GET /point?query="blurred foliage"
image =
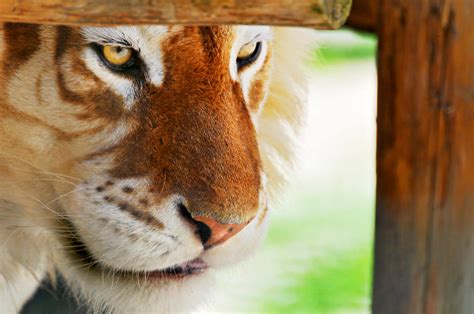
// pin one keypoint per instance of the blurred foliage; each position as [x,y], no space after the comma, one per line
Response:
[334,50]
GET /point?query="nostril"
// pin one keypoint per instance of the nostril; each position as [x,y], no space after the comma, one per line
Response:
[203,230]
[183,210]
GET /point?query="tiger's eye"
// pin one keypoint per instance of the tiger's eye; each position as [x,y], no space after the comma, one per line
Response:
[247,50]
[248,54]
[117,55]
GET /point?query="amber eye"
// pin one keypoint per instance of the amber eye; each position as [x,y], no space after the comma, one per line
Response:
[117,56]
[248,54]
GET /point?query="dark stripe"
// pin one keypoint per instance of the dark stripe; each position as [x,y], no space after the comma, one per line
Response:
[21,41]
[100,103]
[212,38]
[141,215]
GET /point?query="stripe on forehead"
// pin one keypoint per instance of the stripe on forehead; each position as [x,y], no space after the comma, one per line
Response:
[214,39]
[21,42]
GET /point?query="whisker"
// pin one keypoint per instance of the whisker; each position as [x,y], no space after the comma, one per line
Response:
[7,214]
[41,179]
[40,228]
[36,167]
[64,195]
[18,215]
[40,202]
[30,170]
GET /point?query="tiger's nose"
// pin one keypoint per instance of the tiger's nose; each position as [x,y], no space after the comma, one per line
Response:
[210,231]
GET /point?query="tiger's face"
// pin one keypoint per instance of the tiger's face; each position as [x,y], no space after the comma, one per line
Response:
[138,160]
[156,127]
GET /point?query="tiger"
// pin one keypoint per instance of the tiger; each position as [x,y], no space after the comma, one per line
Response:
[139,161]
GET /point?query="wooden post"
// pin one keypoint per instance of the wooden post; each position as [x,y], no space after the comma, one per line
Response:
[315,13]
[424,250]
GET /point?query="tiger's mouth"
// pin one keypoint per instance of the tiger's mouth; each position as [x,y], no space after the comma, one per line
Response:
[193,267]
[86,260]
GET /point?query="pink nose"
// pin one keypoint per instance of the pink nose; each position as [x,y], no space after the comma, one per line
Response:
[210,231]
[216,233]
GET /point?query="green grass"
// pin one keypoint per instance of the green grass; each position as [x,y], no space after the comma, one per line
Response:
[328,288]
[324,260]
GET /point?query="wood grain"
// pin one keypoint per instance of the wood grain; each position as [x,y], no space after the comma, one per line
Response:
[364,15]
[325,14]
[424,250]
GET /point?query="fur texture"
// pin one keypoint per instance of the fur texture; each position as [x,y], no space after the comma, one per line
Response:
[97,165]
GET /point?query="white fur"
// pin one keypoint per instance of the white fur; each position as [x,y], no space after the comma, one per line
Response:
[145,40]
[121,85]
[247,35]
[106,230]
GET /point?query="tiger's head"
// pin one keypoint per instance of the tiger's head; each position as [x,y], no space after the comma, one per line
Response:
[146,155]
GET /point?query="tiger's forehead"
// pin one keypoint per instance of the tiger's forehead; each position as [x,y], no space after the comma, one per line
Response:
[139,36]
[134,36]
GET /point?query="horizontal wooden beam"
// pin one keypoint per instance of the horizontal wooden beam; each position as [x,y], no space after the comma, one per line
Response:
[324,14]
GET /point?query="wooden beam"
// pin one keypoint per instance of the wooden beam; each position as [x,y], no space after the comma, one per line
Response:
[364,15]
[325,14]
[424,250]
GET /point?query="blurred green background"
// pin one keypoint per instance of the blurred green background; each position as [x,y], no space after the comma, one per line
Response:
[318,254]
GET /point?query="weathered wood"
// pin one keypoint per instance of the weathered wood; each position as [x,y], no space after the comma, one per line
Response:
[364,15]
[424,250]
[315,13]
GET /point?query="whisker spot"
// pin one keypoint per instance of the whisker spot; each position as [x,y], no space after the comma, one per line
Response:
[127,189]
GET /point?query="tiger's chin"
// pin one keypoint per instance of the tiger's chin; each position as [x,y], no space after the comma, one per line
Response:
[113,291]
[180,288]
[183,287]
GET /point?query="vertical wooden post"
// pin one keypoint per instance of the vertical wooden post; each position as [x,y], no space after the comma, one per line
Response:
[424,250]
